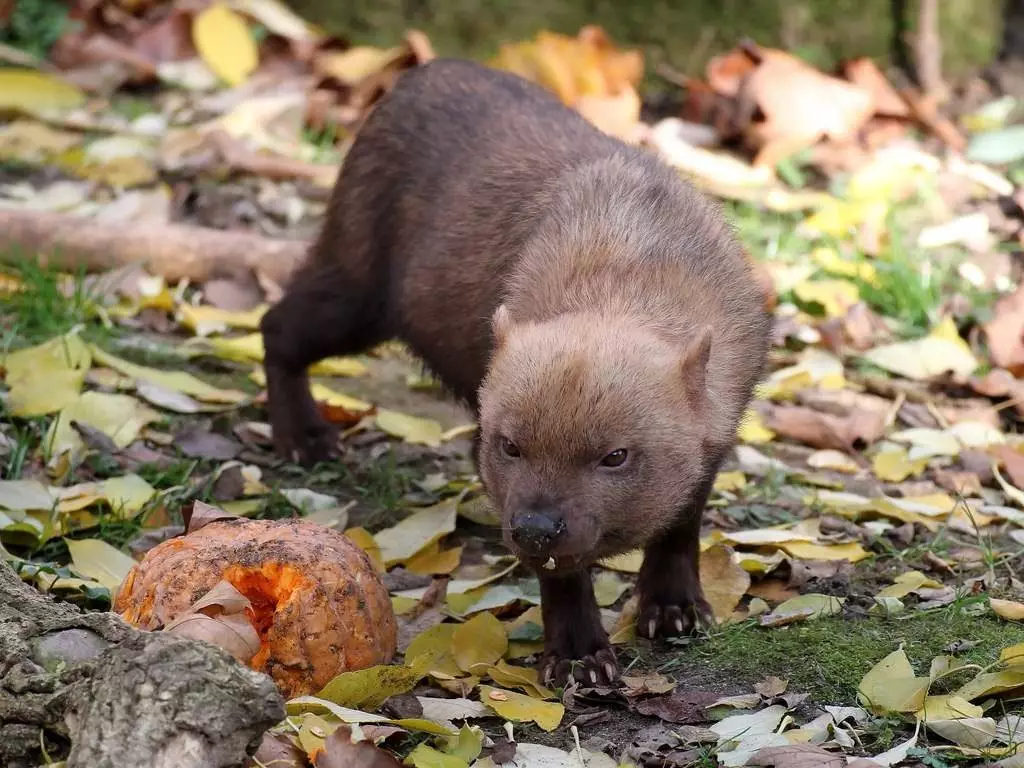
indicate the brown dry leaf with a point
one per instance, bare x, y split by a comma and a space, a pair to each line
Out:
342, 751
277, 750
802, 105
685, 707
198, 443
1004, 333
1012, 461
221, 617
865, 73
200, 513
723, 580
824, 430
798, 756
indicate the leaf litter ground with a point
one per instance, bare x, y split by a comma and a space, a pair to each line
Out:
861, 547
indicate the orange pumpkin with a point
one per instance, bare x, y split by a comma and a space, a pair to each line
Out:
318, 605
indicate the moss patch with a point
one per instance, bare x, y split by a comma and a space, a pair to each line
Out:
828, 657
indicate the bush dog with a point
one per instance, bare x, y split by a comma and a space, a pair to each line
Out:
592, 308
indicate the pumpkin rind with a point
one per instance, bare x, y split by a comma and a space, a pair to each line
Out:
319, 606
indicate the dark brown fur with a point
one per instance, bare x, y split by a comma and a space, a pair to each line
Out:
630, 319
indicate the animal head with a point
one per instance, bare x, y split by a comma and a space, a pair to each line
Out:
592, 436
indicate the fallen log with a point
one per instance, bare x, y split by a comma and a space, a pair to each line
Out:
175, 251
119, 696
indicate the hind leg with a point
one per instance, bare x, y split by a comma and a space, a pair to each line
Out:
319, 316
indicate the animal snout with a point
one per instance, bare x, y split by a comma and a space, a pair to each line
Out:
537, 532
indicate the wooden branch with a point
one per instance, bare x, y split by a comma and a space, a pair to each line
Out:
120, 696
172, 250
928, 49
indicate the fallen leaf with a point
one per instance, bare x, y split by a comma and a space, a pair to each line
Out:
999, 147
681, 706
939, 352
179, 381
525, 678
608, 587
481, 640
518, 707
830, 458
811, 606
225, 43
895, 466
198, 443
434, 561
100, 561
204, 320
891, 686
909, 582
221, 617
369, 688
36, 93
416, 532
947, 707
1007, 609
825, 430
724, 582
23, 495
448, 710
301, 704
342, 750
119, 417
628, 562
412, 429
797, 756
743, 726
46, 378
165, 398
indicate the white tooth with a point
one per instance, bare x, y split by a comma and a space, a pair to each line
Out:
550, 564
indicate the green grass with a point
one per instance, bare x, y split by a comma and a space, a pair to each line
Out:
828, 657
35, 25
47, 306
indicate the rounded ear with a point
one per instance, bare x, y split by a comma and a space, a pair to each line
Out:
501, 324
694, 363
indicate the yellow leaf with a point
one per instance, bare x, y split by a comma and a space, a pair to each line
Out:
841, 218
949, 707
833, 263
890, 686
412, 429
100, 561
425, 756
127, 494
525, 678
34, 93
432, 650
835, 296
249, 348
434, 561
23, 495
204, 320
723, 580
730, 481
755, 562
119, 417
355, 64
225, 43
1013, 655
991, 683
520, 708
45, 378
810, 606
365, 541
894, 466
416, 532
179, 381
481, 640
368, 688
909, 582
804, 550
608, 588
941, 351
752, 429
627, 562
1007, 609
323, 394
830, 458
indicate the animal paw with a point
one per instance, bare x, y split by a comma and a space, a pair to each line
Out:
598, 668
670, 617
306, 444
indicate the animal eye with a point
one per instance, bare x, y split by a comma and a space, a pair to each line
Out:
615, 459
510, 449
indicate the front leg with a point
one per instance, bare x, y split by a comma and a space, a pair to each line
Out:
671, 601
575, 643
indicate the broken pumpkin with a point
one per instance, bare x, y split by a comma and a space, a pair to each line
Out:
317, 604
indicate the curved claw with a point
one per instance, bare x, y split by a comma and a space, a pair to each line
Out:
597, 669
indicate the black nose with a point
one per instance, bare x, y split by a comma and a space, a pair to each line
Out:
536, 532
